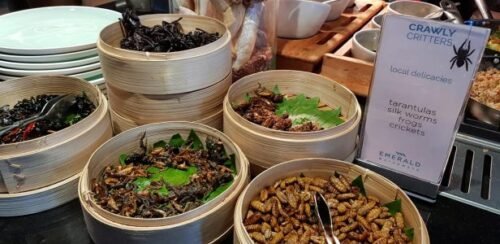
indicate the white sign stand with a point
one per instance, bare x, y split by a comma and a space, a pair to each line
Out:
423, 73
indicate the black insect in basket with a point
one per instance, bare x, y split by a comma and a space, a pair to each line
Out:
462, 56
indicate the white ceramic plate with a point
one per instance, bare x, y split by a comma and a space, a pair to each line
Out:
66, 71
52, 30
49, 66
62, 57
89, 75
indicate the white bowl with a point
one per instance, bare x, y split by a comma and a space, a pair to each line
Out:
377, 21
301, 18
414, 8
337, 7
365, 44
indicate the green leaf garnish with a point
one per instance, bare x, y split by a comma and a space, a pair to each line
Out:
195, 141
394, 206
301, 108
176, 177
409, 232
231, 163
142, 183
219, 190
72, 119
176, 141
247, 97
163, 191
161, 144
123, 158
276, 89
358, 182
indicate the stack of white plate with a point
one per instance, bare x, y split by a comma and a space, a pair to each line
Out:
53, 41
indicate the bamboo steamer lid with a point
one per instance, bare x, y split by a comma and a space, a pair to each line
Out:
121, 124
375, 185
166, 73
337, 142
46, 160
209, 221
191, 106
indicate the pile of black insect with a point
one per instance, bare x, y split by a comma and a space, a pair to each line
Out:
167, 37
81, 108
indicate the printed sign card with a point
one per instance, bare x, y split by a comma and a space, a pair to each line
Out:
423, 73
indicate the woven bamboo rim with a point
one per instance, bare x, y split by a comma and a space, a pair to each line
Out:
145, 109
375, 185
211, 219
166, 73
35, 201
295, 82
121, 124
50, 159
337, 142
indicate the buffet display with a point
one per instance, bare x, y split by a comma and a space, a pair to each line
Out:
194, 113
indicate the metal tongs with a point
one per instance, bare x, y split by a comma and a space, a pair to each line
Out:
53, 108
324, 218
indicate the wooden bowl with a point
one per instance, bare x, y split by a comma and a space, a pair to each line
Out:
166, 73
121, 124
191, 106
201, 225
43, 161
337, 142
375, 185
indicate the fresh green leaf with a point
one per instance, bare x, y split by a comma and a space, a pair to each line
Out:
176, 141
358, 182
409, 232
123, 158
72, 119
247, 97
231, 163
276, 89
163, 191
219, 190
299, 121
142, 183
177, 177
301, 108
394, 206
194, 140
161, 143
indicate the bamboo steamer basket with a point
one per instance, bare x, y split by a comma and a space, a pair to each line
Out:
201, 225
38, 200
375, 185
46, 160
337, 142
121, 124
191, 106
166, 73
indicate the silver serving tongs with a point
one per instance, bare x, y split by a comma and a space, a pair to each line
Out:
451, 11
53, 107
324, 218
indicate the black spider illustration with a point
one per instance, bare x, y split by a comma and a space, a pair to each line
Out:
462, 56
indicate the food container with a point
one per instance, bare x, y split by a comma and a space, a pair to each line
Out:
203, 224
121, 124
253, 30
166, 73
415, 8
365, 44
43, 161
41, 173
266, 147
300, 19
191, 106
375, 185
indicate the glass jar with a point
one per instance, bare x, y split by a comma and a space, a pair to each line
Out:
252, 24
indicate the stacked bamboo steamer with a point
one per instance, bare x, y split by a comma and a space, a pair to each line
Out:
375, 185
145, 87
205, 224
338, 142
42, 173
